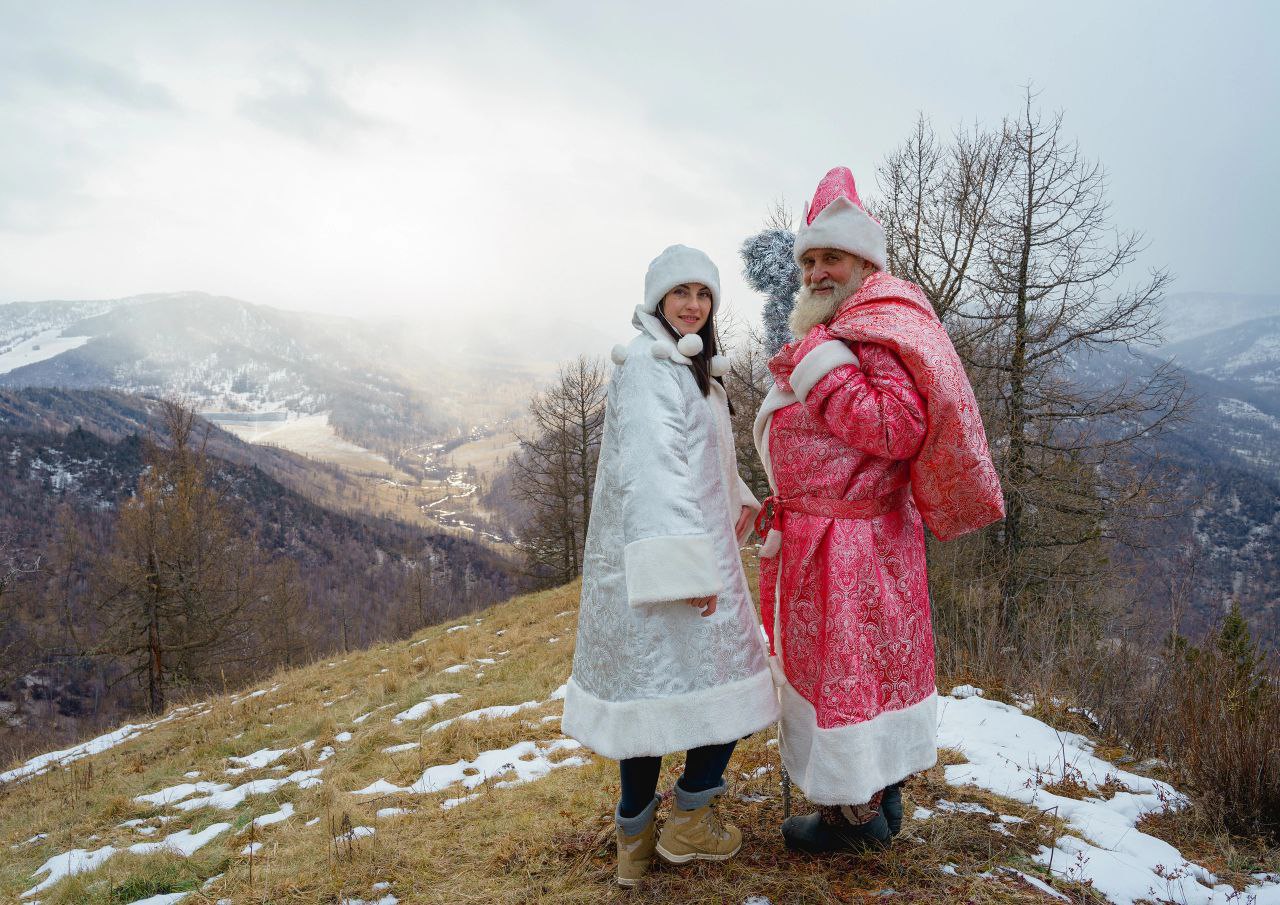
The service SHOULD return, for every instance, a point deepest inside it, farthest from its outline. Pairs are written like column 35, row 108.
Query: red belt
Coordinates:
column 828, row 508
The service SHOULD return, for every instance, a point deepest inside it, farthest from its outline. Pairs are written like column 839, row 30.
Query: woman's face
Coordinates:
column 687, row 307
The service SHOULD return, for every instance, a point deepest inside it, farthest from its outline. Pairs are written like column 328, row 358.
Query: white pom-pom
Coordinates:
column 719, row 365
column 618, row 354
column 690, row 345
column 660, row 350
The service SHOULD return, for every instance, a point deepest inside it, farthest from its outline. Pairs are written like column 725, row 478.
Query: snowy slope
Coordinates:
column 422, row 742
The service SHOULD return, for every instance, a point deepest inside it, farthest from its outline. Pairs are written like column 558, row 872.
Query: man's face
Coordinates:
column 824, row 269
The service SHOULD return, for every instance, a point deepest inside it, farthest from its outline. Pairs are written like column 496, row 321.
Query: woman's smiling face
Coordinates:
column 687, row 307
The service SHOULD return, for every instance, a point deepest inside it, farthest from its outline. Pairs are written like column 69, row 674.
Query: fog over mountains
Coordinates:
column 396, row 389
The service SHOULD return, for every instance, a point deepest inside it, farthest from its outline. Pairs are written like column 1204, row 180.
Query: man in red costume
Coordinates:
column 871, row 429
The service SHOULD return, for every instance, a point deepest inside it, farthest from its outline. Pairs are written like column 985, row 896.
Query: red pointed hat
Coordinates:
column 836, row 219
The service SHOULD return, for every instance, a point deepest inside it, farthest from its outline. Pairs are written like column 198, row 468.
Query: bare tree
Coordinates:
column 1007, row 231
column 554, row 470
column 1048, row 297
column 938, row 203
column 747, row 383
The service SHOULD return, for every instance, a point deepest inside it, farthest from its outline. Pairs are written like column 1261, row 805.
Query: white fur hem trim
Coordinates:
column 821, row 360
column 777, row 399
column 677, row 567
column 849, row 764
column 844, row 225
column 651, row 727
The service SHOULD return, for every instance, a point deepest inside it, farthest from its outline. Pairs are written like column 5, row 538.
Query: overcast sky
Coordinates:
column 521, row 158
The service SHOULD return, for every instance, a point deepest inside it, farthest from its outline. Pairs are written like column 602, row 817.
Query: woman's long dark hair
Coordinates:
column 701, row 361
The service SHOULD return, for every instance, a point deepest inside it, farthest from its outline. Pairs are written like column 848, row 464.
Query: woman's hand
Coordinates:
column 706, row 604
column 746, row 518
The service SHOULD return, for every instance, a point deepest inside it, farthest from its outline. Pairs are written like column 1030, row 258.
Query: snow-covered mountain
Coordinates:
column 1247, row 353
column 1190, row 314
column 234, row 359
column 1226, row 456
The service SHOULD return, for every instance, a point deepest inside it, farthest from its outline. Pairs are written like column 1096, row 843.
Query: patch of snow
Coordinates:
column 921, row 814
column 356, row 832
column 285, row 812
column 496, row 712
column 962, row 807
column 251, row 849
column 396, row 749
column 385, row 813
column 456, row 628
column 966, row 691
column 1037, row 883
column 528, row 761
column 1015, row 756
column 79, row 861
column 421, row 709
column 164, row 898
column 180, row 791
column 43, row 762
column 226, row 799
column 259, row 759
column 343, row 737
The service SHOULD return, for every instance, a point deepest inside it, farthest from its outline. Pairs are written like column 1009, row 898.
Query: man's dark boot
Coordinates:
column 829, row 830
column 891, row 807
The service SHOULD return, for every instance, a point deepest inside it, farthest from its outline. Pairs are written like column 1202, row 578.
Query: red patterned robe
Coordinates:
column 871, row 428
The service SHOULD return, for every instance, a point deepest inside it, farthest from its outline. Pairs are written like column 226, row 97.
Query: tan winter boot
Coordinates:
column 635, row 836
column 698, row 833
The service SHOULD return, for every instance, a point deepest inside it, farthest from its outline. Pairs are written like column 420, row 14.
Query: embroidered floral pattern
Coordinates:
column 853, row 602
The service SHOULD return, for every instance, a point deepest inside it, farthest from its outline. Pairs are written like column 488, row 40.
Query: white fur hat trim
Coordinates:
column 844, row 225
column 679, row 264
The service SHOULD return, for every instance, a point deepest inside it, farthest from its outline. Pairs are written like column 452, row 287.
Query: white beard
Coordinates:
column 811, row 310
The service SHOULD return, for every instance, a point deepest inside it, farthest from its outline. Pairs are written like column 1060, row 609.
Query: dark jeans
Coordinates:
column 703, row 769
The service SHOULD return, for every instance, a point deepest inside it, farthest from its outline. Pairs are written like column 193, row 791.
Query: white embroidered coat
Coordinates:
column 651, row 675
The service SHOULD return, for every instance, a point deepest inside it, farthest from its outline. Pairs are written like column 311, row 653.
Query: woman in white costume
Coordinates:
column 669, row 656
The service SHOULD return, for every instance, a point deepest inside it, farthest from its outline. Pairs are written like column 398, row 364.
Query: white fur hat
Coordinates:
column 836, row 219
column 679, row 264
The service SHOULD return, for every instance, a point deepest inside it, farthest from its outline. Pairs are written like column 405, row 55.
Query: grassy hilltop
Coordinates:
column 538, row 829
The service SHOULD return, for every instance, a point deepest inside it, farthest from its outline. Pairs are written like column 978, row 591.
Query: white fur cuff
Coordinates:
column 849, row 764
column 654, row 726
column 665, row 569
column 821, row 360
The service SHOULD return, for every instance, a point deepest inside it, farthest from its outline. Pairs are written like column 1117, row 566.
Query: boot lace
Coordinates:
column 715, row 826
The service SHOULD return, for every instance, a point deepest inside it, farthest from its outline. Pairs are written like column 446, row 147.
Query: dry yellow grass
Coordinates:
column 547, row 841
